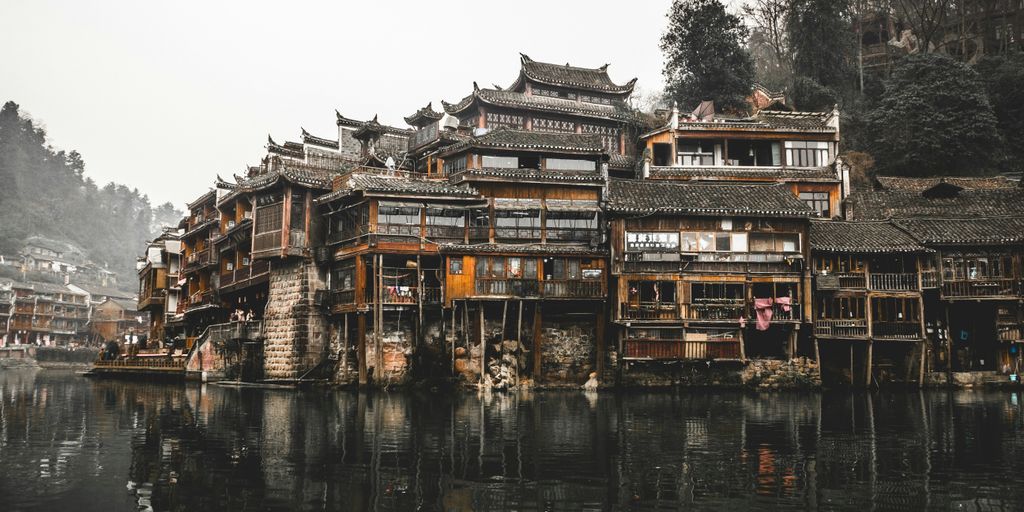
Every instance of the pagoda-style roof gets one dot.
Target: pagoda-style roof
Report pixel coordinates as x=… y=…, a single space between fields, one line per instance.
x=779 y=121
x=308 y=138
x=862 y=237
x=400 y=186
x=207 y=197
x=704 y=199
x=424 y=116
x=283 y=171
x=371 y=126
x=617 y=111
x=505 y=138
x=572 y=77
x=528 y=176
x=965 y=231
x=288 y=149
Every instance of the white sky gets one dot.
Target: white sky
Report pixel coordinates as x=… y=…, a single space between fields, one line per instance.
x=164 y=95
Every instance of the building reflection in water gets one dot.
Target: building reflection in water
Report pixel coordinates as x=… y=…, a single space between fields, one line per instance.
x=113 y=445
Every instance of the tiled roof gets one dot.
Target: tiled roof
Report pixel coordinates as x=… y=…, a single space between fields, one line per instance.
x=526 y=175
x=426 y=113
x=353 y=123
x=309 y=138
x=503 y=138
x=591 y=79
x=861 y=237
x=397 y=185
x=617 y=161
x=696 y=198
x=210 y=196
x=785 y=120
x=729 y=173
x=289 y=149
x=764 y=120
x=884 y=204
x=967 y=231
x=922 y=184
x=518 y=249
x=619 y=111
x=294 y=172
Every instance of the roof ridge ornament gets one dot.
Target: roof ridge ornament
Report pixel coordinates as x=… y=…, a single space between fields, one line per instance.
x=524 y=58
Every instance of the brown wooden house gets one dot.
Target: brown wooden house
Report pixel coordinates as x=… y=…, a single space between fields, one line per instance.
x=200 y=305
x=159 y=292
x=706 y=271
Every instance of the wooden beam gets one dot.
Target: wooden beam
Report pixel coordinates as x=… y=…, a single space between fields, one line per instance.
x=924 y=358
x=483 y=344
x=361 y=340
x=867 y=365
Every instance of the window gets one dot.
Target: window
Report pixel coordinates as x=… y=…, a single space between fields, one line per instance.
x=774 y=242
x=806 y=154
x=269 y=218
x=695 y=153
x=565 y=164
x=723 y=242
x=496 y=120
x=501 y=162
x=454 y=165
x=571 y=226
x=553 y=125
x=446 y=223
x=516 y=221
x=455 y=264
x=818 y=201
x=344 y=278
x=398 y=219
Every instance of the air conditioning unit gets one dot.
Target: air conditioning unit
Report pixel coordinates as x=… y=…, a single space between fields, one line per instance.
x=322 y=298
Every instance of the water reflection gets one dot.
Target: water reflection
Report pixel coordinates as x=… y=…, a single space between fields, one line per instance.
x=68 y=442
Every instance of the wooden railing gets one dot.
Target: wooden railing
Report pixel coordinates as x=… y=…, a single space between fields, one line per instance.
x=855 y=280
x=679 y=349
x=508 y=287
x=339 y=297
x=982 y=288
x=166 y=363
x=572 y=235
x=929 y=278
x=573 y=289
x=240 y=275
x=717 y=310
x=268 y=241
x=896 y=330
x=198 y=259
x=431 y=294
x=654 y=267
x=841 y=328
x=651 y=311
x=1009 y=333
x=779 y=312
x=891 y=281
x=517 y=233
x=446 y=233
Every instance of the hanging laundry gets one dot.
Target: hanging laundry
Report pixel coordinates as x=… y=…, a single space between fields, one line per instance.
x=763 y=310
x=785 y=302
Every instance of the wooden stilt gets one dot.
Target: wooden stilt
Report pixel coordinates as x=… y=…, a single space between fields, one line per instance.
x=924 y=359
x=599 y=334
x=867 y=366
x=519 y=341
x=361 y=340
x=853 y=374
x=344 y=348
x=483 y=345
x=537 y=319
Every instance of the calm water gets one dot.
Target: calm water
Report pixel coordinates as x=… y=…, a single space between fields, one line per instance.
x=67 y=443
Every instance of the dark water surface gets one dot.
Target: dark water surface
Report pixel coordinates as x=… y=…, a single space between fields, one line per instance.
x=71 y=444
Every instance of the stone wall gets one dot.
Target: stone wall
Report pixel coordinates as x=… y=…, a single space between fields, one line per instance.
x=568 y=349
x=295 y=329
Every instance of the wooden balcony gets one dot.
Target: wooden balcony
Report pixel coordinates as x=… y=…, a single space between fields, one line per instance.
x=150 y=298
x=572 y=235
x=1010 y=333
x=239 y=278
x=982 y=288
x=895 y=282
x=896 y=330
x=198 y=260
x=841 y=328
x=658 y=349
x=650 y=311
x=929 y=278
x=200 y=299
x=780 y=313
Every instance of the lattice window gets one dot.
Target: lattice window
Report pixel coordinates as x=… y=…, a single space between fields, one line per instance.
x=553 y=125
x=497 y=120
x=609 y=136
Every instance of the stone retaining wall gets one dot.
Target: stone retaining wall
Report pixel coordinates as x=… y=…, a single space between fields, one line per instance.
x=295 y=329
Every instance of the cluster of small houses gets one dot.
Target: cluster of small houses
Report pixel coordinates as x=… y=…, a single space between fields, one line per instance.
x=548 y=233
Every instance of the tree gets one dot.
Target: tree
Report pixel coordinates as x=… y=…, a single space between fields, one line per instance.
x=1003 y=77
x=769 y=41
x=705 y=56
x=933 y=119
x=822 y=42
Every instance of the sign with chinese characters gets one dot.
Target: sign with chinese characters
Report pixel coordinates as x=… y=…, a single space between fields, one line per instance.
x=639 y=242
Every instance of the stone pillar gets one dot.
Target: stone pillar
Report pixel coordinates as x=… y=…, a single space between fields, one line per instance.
x=294 y=328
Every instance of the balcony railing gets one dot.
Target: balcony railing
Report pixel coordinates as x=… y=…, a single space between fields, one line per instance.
x=651 y=311
x=343 y=297
x=573 y=289
x=268 y=241
x=779 y=312
x=855 y=280
x=841 y=328
x=198 y=259
x=896 y=330
x=929 y=278
x=888 y=281
x=982 y=288
x=679 y=349
x=714 y=310
x=240 y=276
x=508 y=287
x=572 y=235
x=513 y=234
x=1009 y=333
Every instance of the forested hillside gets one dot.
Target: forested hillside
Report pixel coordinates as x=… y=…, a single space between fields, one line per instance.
x=45 y=191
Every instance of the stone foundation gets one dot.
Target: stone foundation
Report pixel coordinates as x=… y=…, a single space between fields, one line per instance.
x=295 y=329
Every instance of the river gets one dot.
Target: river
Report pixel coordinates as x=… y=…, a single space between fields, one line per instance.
x=72 y=444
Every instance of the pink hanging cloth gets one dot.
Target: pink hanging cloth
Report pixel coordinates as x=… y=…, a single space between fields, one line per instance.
x=763 y=311
x=786 y=303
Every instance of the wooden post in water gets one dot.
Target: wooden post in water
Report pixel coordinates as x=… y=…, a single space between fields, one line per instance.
x=483 y=345
x=361 y=340
x=867 y=365
x=537 y=331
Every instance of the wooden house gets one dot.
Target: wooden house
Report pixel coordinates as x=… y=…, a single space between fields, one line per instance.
x=798 y=149
x=200 y=305
x=159 y=292
x=707 y=271
x=869 y=283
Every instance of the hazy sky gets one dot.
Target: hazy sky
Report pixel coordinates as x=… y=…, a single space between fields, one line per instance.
x=164 y=95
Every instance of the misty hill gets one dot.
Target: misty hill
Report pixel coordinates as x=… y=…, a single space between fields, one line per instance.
x=45 y=192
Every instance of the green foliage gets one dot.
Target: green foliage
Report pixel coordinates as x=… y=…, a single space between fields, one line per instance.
x=933 y=119
x=46 y=192
x=811 y=96
x=822 y=41
x=705 y=57
x=1003 y=77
